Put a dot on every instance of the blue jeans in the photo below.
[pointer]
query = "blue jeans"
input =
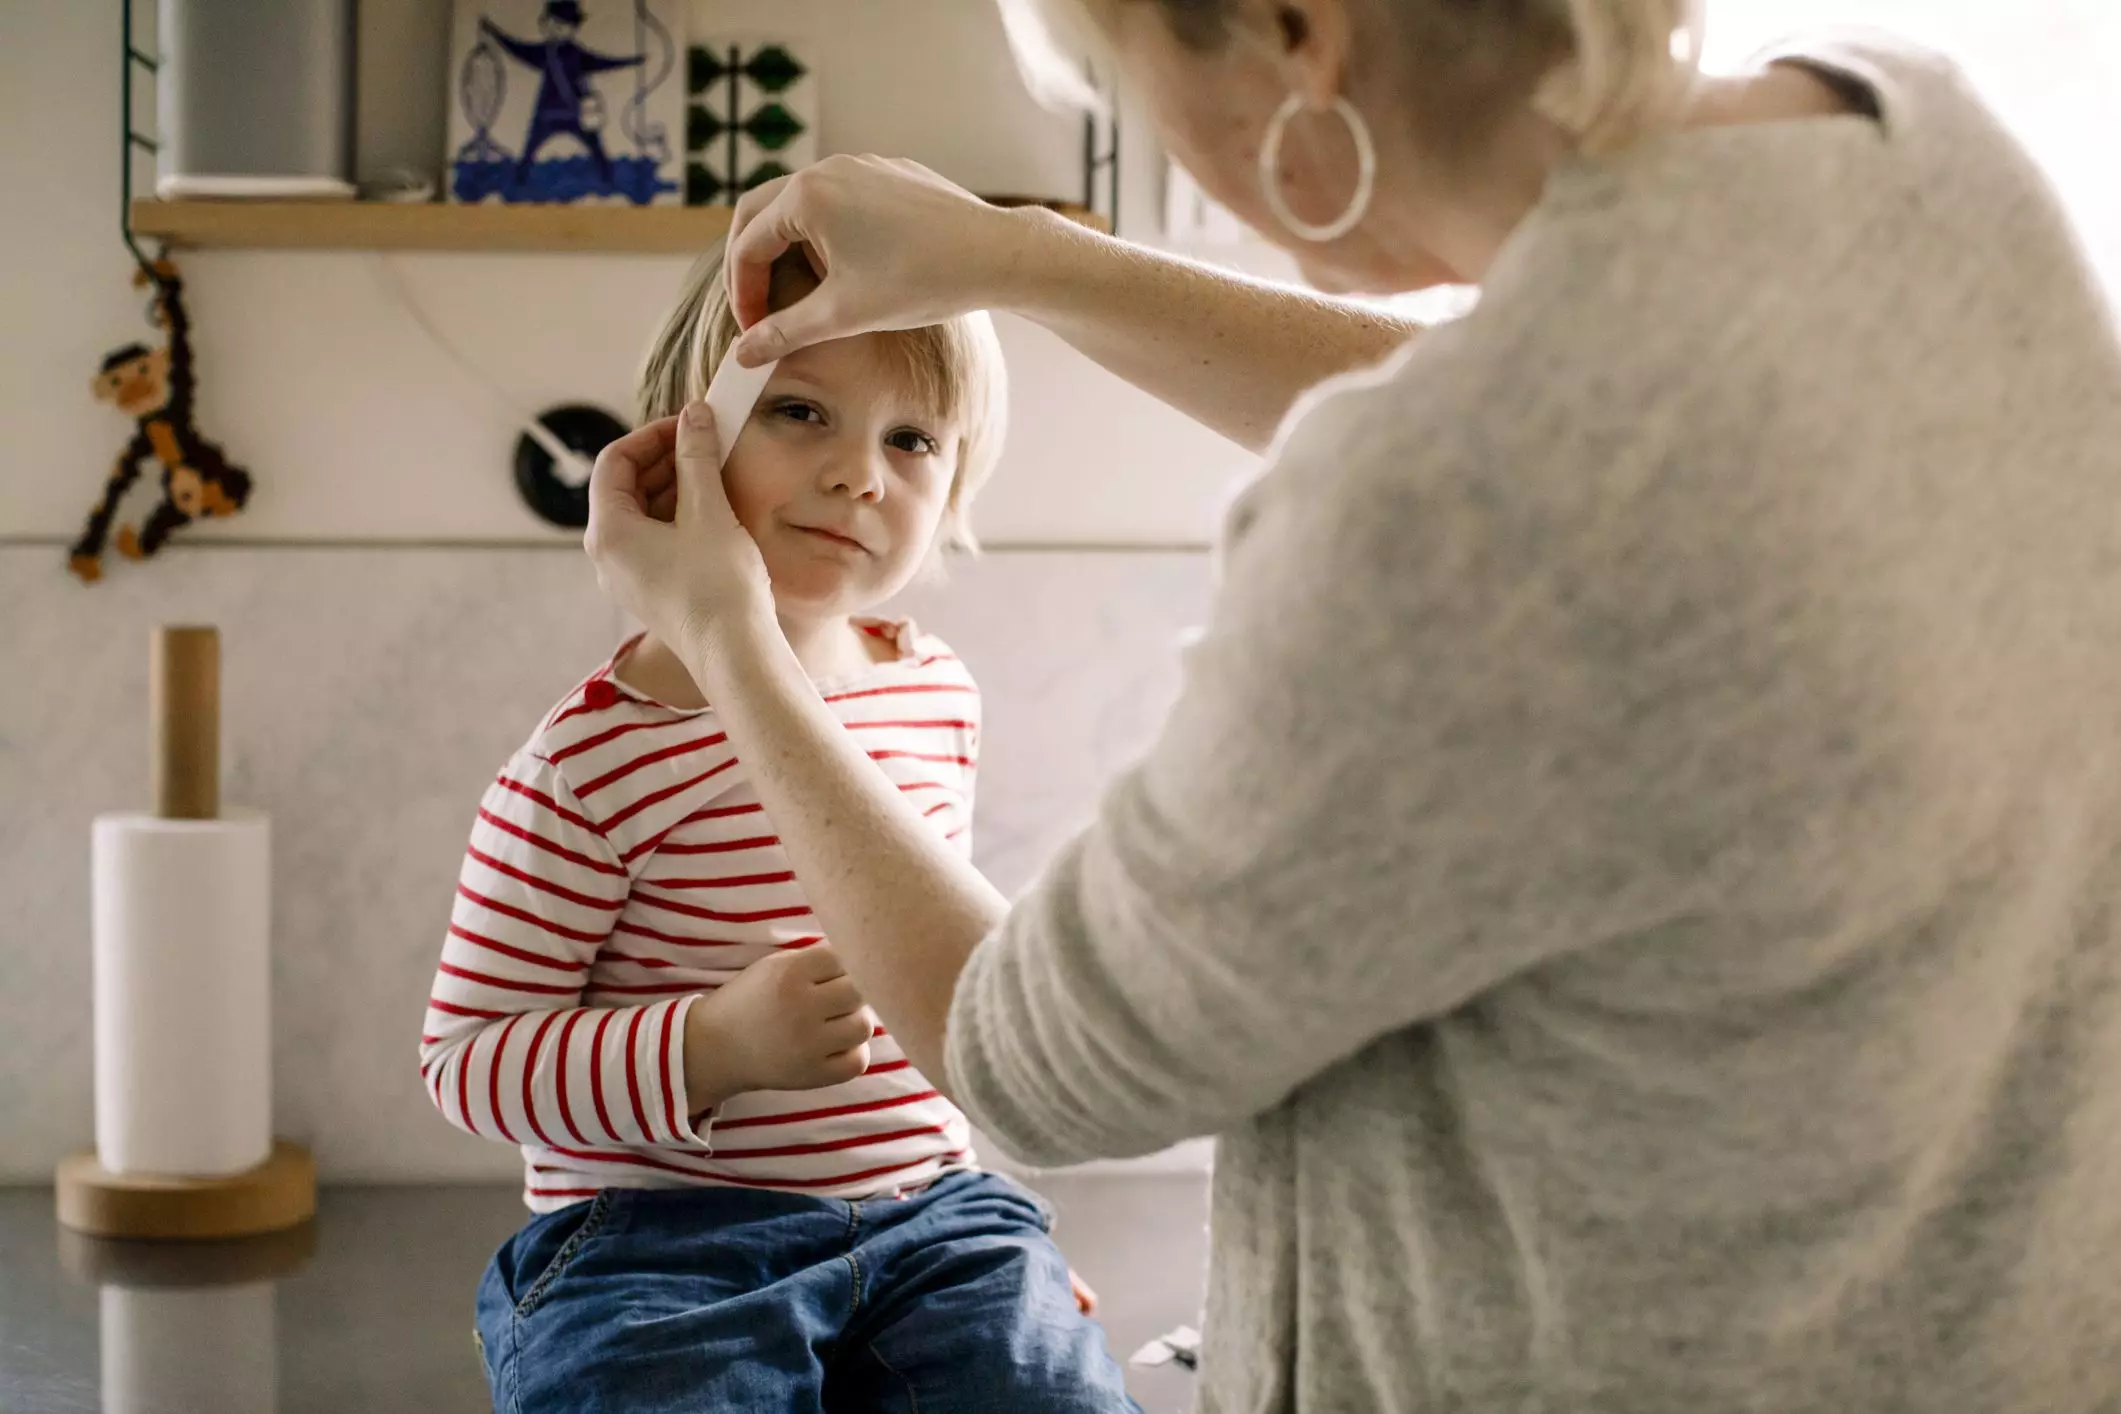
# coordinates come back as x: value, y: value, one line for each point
x: 731, y: 1299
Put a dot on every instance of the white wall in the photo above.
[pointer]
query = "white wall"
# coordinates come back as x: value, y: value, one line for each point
x: 371, y: 688
x: 369, y: 694
x: 356, y: 426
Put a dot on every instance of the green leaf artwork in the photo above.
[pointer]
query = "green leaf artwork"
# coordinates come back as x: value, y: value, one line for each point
x: 751, y: 116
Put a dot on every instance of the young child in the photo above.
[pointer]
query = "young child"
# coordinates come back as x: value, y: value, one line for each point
x: 744, y: 1196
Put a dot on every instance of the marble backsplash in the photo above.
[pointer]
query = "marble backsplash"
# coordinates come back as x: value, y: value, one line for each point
x: 369, y: 694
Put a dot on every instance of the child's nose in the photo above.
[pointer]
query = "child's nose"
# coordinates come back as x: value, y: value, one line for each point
x: 860, y: 475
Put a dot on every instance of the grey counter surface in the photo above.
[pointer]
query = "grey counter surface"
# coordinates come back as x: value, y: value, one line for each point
x: 371, y: 1309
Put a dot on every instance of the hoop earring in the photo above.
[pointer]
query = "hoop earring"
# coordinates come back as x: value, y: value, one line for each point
x: 1270, y: 171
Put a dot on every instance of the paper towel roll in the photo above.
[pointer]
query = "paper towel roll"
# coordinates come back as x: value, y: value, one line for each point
x: 183, y: 994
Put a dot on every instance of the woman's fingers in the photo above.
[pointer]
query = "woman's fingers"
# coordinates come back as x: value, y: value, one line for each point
x: 813, y: 319
x: 753, y: 201
x: 616, y: 501
x: 645, y: 443
x: 661, y: 474
x: 749, y: 263
x: 626, y: 466
x: 898, y: 247
x: 658, y: 487
x: 615, y: 477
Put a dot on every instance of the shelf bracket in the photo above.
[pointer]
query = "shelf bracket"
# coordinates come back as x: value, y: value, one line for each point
x: 131, y: 139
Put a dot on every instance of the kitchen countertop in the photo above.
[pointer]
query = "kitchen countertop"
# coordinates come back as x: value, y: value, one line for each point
x: 369, y: 1307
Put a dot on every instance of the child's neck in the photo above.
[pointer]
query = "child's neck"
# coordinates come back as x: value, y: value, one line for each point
x: 827, y: 648
x: 830, y: 647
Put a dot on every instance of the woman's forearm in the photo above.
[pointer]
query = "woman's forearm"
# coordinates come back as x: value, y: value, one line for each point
x: 901, y: 908
x: 1230, y: 352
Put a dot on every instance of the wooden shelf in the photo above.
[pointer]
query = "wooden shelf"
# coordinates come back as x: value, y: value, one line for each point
x: 381, y: 225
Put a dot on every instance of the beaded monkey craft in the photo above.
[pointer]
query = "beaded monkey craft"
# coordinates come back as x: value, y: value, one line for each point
x: 155, y: 387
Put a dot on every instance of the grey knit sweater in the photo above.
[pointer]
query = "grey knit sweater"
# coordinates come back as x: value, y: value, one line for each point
x: 1632, y: 877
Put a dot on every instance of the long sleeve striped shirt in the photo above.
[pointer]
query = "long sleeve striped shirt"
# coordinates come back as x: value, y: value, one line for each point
x: 619, y: 868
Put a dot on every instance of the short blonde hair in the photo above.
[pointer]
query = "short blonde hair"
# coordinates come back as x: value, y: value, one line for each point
x: 954, y: 369
x: 1610, y: 72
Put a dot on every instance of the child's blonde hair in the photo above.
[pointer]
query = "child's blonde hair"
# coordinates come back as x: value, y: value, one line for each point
x: 954, y: 368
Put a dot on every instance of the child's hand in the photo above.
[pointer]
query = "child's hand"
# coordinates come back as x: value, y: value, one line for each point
x: 793, y: 1021
x: 1085, y: 1298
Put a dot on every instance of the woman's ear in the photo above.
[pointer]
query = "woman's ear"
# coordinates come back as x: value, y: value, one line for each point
x: 1311, y: 38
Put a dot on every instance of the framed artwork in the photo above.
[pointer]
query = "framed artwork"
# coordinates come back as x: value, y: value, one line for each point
x: 751, y: 116
x: 559, y: 101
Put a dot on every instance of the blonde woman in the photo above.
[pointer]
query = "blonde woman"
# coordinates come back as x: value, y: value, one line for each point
x: 1631, y: 876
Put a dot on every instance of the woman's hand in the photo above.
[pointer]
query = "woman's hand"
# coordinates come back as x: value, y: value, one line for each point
x: 666, y: 546
x: 894, y: 246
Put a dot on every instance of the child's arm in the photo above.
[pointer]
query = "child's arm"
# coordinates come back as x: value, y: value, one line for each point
x: 508, y: 1052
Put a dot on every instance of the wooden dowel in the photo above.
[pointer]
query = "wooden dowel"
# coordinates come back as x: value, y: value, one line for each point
x: 184, y: 722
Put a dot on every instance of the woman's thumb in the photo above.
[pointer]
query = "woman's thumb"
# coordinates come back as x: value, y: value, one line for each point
x: 699, y: 449
x: 702, y: 498
x: 812, y: 319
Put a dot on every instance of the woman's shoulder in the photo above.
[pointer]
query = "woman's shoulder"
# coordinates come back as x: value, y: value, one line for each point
x: 1901, y: 79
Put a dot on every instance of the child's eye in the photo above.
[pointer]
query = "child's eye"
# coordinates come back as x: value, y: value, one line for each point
x: 912, y: 439
x: 797, y: 411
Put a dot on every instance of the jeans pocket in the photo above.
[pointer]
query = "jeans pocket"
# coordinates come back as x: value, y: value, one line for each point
x: 595, y: 1213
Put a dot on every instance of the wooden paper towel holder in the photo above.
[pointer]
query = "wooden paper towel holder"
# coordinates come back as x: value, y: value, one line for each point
x: 184, y: 724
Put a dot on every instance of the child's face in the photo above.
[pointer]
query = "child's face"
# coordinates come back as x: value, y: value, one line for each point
x: 841, y: 476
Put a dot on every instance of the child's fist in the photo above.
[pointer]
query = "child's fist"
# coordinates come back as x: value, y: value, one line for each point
x: 793, y: 1021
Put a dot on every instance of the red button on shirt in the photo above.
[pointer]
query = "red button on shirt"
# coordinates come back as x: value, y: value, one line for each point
x: 600, y: 694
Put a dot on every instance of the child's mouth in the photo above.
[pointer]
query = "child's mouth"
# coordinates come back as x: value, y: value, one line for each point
x: 834, y: 537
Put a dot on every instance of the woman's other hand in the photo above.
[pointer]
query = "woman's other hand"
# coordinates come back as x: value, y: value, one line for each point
x: 894, y: 246
x: 666, y: 546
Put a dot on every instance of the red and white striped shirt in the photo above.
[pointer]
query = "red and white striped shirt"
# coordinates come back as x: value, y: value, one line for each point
x: 620, y: 866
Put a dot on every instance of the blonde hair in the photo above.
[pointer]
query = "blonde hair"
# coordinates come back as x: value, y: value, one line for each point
x: 954, y: 369
x: 1610, y: 72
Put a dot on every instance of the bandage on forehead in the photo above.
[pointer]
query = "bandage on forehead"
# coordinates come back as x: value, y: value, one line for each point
x: 734, y: 390
x: 731, y: 395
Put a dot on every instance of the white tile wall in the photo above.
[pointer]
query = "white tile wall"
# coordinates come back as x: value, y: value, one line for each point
x: 369, y: 694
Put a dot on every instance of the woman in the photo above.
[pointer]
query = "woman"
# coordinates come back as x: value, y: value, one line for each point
x: 1630, y: 875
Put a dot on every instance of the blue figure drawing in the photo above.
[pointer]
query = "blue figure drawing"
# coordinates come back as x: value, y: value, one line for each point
x: 567, y: 105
